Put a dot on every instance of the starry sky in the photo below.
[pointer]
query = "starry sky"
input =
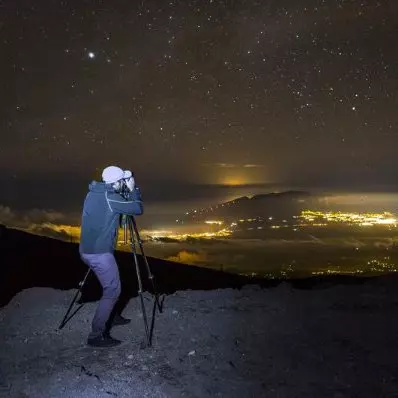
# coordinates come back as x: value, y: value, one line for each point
x: 195, y: 92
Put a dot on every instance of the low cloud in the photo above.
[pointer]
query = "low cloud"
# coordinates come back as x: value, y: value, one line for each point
x: 6, y: 215
x: 225, y: 165
x: 42, y: 222
x: 14, y: 218
x: 234, y: 165
x: 253, y: 166
x: 59, y: 231
x: 49, y: 231
x: 189, y: 257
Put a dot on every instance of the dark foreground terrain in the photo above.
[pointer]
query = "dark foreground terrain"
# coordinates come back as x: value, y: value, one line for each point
x: 312, y: 338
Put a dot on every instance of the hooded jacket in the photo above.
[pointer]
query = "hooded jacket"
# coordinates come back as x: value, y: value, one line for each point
x: 101, y: 216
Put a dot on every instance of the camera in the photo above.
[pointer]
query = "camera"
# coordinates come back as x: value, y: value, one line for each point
x: 123, y: 190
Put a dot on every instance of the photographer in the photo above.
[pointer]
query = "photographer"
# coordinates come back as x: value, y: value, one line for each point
x: 103, y: 206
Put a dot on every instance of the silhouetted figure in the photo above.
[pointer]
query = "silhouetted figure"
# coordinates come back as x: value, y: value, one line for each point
x: 103, y: 206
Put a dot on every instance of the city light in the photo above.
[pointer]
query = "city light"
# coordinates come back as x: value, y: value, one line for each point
x: 362, y: 219
x: 223, y: 233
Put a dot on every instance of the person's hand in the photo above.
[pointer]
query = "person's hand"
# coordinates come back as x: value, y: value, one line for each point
x: 130, y: 183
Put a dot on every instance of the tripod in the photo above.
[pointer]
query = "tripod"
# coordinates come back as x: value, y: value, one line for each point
x: 131, y: 235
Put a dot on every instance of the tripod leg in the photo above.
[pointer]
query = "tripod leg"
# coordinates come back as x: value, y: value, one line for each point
x: 151, y: 278
x: 150, y: 275
x: 81, y: 284
x: 137, y: 268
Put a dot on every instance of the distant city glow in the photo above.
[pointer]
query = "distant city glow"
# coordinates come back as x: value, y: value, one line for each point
x: 223, y: 233
x: 234, y: 181
x: 362, y: 219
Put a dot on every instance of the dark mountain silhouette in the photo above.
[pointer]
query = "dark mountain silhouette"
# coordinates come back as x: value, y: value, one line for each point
x: 278, y: 205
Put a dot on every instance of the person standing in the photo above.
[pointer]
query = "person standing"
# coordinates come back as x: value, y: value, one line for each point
x: 104, y: 204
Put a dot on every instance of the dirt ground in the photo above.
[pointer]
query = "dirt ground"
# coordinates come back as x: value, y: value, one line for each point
x: 339, y: 341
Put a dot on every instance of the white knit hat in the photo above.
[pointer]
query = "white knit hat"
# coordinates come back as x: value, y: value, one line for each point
x: 112, y: 174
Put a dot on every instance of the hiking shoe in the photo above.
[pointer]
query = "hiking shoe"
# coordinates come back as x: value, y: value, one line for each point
x: 119, y: 320
x: 105, y: 340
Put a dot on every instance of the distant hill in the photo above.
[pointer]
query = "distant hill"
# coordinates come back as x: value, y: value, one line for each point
x: 280, y: 204
x: 29, y: 260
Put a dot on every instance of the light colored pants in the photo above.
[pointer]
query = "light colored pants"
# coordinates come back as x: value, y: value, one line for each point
x: 105, y: 268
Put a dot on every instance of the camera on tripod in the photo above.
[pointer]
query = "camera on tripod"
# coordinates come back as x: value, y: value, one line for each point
x: 123, y: 190
x: 126, y: 185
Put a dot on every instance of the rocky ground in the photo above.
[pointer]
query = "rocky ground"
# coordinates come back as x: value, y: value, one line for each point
x: 336, y: 341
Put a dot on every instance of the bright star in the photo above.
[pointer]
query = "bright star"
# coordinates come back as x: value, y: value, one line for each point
x: 91, y: 55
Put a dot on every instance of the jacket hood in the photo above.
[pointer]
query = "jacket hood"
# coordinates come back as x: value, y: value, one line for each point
x: 100, y: 187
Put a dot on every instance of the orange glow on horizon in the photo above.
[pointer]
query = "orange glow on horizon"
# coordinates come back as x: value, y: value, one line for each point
x: 234, y: 181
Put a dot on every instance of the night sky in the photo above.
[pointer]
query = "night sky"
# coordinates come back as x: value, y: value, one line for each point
x: 195, y: 92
